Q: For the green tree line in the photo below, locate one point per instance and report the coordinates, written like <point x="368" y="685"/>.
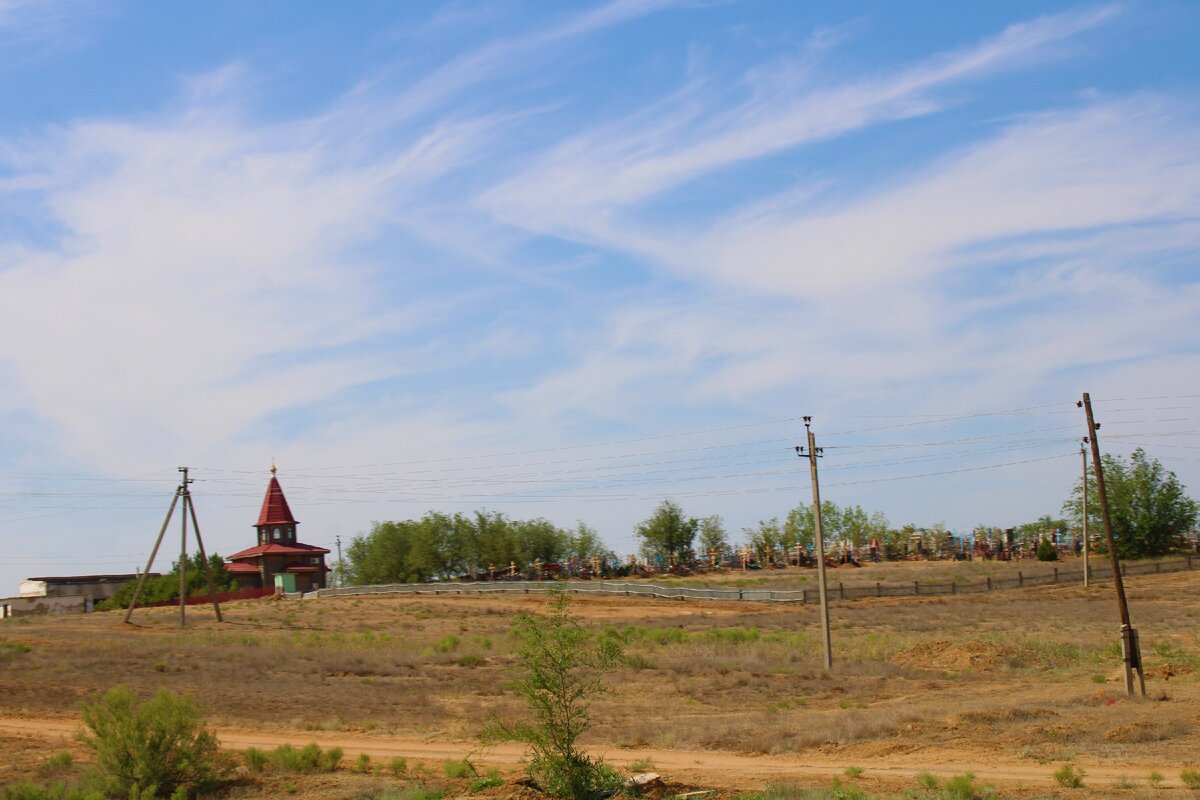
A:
<point x="166" y="587"/>
<point x="1151" y="512"/>
<point x="444" y="546"/>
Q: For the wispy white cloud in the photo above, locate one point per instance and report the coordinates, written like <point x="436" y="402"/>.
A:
<point x="204" y="272"/>
<point x="44" y="23"/>
<point x="578" y="187"/>
<point x="977" y="261"/>
<point x="435" y="268"/>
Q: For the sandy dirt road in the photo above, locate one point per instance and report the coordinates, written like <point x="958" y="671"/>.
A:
<point x="715" y="769"/>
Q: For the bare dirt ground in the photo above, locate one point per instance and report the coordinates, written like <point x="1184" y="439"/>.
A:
<point x="1007" y="685"/>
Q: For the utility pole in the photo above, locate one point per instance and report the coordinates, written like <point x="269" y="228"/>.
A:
<point x="813" y="453"/>
<point x="183" y="552"/>
<point x="340" y="567"/>
<point x="1130" y="647"/>
<point x="1087" y="573"/>
<point x="189" y="509"/>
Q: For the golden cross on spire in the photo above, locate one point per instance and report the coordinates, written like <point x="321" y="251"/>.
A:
<point x="273" y="470"/>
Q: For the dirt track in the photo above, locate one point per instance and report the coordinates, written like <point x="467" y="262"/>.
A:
<point x="716" y="769"/>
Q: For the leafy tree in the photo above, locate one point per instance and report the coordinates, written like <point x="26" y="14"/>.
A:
<point x="1043" y="526"/>
<point x="856" y="525"/>
<point x="667" y="530"/>
<point x="562" y="667"/>
<point x="1150" y="510"/>
<point x="764" y="538"/>
<point x="166" y="587"/>
<point x="446" y="546"/>
<point x="584" y="543"/>
<point x="541" y="540"/>
<point x="713" y="535"/>
<point x="801" y="525"/>
<point x="380" y="556"/>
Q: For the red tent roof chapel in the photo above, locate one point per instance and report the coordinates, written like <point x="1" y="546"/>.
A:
<point x="277" y="551"/>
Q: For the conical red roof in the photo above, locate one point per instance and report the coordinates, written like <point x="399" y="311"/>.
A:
<point x="275" y="509"/>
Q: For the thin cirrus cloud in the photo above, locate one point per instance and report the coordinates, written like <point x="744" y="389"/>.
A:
<point x="199" y="265"/>
<point x="451" y="257"/>
<point x="581" y="184"/>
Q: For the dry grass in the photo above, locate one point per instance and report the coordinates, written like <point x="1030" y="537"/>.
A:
<point x="1002" y="675"/>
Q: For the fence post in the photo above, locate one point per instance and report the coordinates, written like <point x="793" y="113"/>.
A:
<point x="1158" y="566"/>
<point x="989" y="580"/>
<point x="1056" y="574"/>
<point x="841" y="591"/>
<point x="953" y="587"/>
<point x="916" y="587"/>
<point x="740" y="593"/>
<point x="878" y="589"/>
<point x="1123" y="572"/>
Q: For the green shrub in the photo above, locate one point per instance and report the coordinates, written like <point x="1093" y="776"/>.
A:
<point x="59" y="761"/>
<point x="415" y="792"/>
<point x="1046" y="551"/>
<point x="309" y="758"/>
<point x="1155" y="779"/>
<point x="927" y="780"/>
<point x="853" y="772"/>
<point x="963" y="787"/>
<point x="736" y="635"/>
<point x="459" y="769"/>
<point x="154" y="747"/>
<point x="448" y="643"/>
<point x="469" y="660"/>
<point x="256" y="760"/>
<point x="27" y="790"/>
<point x="1190" y="778"/>
<point x="793" y="791"/>
<point x="1068" y="776"/>
<point x="562" y="666"/>
<point x="363" y="764"/>
<point x="489" y="781"/>
<point x="398" y="765"/>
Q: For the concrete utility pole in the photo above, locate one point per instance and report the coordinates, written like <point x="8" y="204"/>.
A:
<point x="1087" y="572"/>
<point x="1130" y="647"/>
<point x="813" y="454"/>
<point x="340" y="567"/>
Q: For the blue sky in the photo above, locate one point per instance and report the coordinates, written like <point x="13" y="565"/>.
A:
<point x="566" y="260"/>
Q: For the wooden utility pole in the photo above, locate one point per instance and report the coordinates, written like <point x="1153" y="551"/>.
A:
<point x="814" y="453"/>
<point x="183" y="553"/>
<point x="208" y="575"/>
<point x="1087" y="572"/>
<point x="137" y="591"/>
<point x="1131" y="650"/>
<point x="189" y="509"/>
